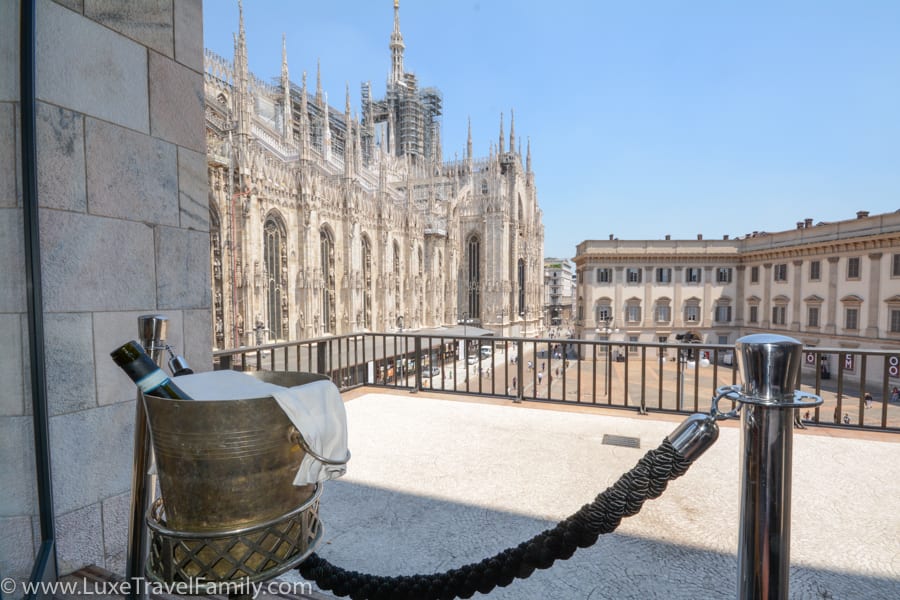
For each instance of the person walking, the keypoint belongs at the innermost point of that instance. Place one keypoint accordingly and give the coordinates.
(846, 419)
(895, 395)
(540, 377)
(868, 398)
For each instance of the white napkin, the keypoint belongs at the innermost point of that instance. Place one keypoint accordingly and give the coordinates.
(316, 409)
(319, 408)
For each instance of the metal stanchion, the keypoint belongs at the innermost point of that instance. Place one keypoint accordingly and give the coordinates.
(152, 336)
(770, 366)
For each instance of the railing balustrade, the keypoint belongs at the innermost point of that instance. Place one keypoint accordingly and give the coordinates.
(658, 377)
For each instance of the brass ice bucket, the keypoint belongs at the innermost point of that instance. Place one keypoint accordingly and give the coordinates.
(227, 464)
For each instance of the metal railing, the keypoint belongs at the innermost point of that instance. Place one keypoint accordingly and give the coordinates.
(659, 377)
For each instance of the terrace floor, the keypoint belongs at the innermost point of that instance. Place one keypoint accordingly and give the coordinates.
(439, 481)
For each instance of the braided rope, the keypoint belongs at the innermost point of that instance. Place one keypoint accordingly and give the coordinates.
(647, 480)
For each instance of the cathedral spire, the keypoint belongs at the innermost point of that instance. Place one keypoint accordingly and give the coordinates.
(288, 131)
(528, 160)
(500, 145)
(512, 131)
(326, 128)
(397, 47)
(241, 75)
(469, 142)
(349, 140)
(319, 81)
(304, 121)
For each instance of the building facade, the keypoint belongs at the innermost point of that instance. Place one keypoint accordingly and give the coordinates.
(103, 217)
(559, 290)
(832, 285)
(327, 222)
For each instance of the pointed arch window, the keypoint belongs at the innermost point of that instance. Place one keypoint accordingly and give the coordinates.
(367, 283)
(473, 276)
(215, 243)
(275, 257)
(397, 278)
(326, 252)
(521, 283)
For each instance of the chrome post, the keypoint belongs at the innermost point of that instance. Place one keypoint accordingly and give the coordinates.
(770, 366)
(152, 336)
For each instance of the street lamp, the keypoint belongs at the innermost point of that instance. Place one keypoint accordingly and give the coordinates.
(606, 330)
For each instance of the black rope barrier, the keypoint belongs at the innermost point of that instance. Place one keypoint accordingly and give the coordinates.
(647, 480)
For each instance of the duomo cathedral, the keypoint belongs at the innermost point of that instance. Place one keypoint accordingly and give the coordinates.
(328, 221)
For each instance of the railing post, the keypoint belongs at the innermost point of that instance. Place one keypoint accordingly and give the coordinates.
(322, 357)
(770, 365)
(520, 370)
(417, 346)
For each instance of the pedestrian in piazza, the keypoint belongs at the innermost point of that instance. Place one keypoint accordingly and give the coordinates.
(540, 377)
(846, 419)
(868, 398)
(895, 395)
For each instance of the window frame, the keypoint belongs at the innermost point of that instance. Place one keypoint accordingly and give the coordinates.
(854, 268)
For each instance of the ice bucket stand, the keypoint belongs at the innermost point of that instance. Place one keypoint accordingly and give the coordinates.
(229, 514)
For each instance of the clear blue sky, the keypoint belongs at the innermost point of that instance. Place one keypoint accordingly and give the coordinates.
(646, 118)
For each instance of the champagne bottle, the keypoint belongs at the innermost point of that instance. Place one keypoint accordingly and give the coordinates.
(145, 373)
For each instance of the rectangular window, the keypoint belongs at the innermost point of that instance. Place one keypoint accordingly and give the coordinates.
(633, 313)
(723, 314)
(692, 275)
(780, 272)
(895, 321)
(723, 275)
(692, 314)
(778, 315)
(663, 313)
(603, 313)
(754, 274)
(895, 265)
(853, 268)
(604, 275)
(754, 314)
(815, 270)
(723, 340)
(664, 275)
(633, 275)
(852, 320)
(812, 316)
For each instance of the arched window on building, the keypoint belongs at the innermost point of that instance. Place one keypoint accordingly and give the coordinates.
(367, 283)
(753, 303)
(473, 276)
(520, 279)
(326, 254)
(603, 316)
(633, 310)
(692, 311)
(663, 310)
(723, 310)
(275, 259)
(215, 246)
(852, 309)
(779, 310)
(397, 277)
(814, 311)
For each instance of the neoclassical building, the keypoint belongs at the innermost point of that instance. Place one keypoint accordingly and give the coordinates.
(326, 221)
(832, 285)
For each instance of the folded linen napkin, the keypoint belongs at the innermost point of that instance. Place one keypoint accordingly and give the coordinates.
(316, 409)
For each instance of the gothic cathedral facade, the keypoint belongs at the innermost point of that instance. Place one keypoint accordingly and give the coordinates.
(324, 222)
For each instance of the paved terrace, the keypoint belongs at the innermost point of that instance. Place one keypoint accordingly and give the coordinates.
(440, 481)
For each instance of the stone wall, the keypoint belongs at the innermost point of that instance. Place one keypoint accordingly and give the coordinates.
(124, 231)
